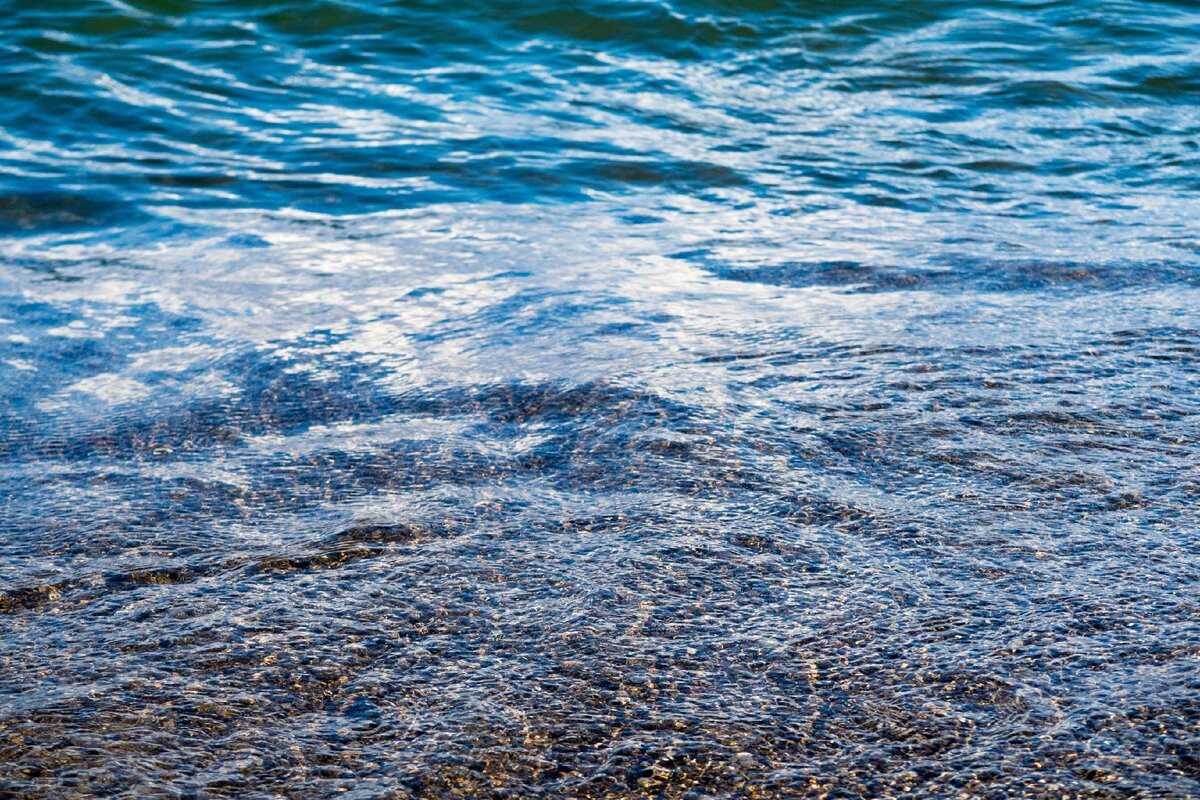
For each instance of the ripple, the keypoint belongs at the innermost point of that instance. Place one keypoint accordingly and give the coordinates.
(614, 399)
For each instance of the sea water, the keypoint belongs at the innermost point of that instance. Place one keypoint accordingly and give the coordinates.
(602, 398)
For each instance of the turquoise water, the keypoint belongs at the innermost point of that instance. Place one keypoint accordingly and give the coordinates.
(599, 399)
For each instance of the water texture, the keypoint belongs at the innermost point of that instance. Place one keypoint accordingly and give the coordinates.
(599, 399)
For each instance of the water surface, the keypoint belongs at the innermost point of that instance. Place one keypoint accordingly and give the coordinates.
(599, 399)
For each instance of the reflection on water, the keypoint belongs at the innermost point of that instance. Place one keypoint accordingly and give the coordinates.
(622, 399)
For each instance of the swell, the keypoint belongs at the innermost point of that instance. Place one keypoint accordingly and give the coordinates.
(345, 107)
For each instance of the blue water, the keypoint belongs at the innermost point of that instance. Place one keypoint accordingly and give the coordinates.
(599, 399)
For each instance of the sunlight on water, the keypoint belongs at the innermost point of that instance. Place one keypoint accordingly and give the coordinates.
(616, 399)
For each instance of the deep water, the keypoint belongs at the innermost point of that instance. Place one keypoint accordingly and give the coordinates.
(603, 398)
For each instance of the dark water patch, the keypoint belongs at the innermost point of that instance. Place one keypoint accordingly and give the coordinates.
(962, 273)
(337, 550)
(36, 211)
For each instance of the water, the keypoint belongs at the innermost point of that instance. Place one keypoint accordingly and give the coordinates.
(599, 399)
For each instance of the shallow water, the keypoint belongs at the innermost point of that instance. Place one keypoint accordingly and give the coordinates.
(599, 399)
